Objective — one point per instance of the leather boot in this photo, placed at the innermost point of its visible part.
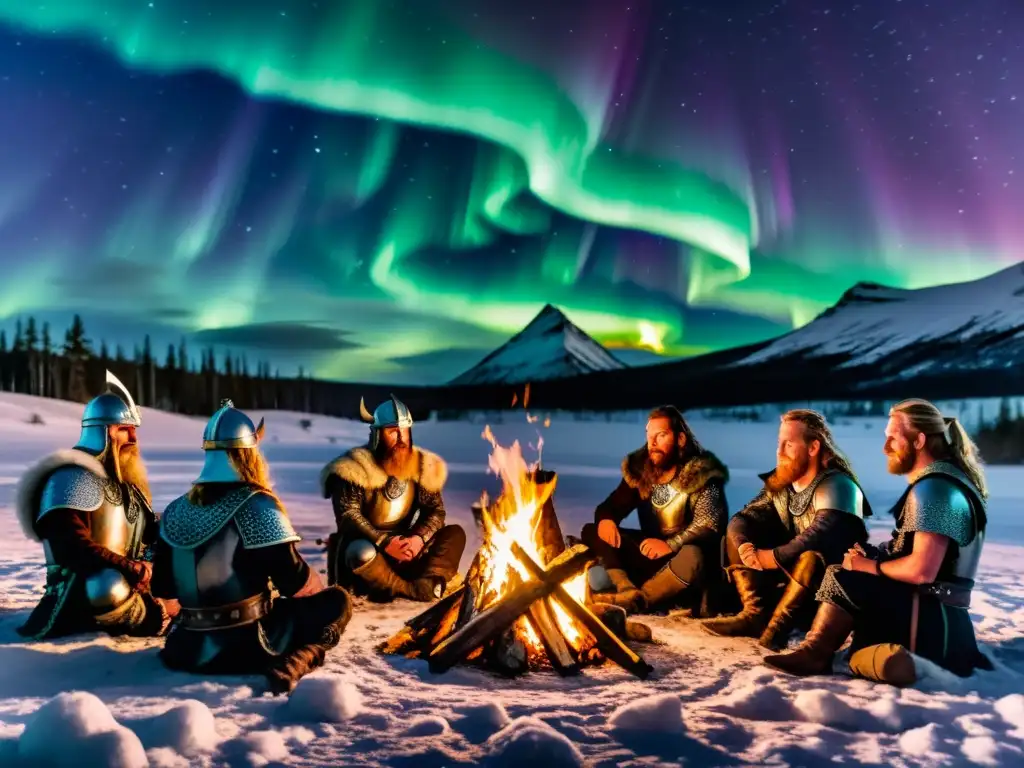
(661, 587)
(806, 577)
(382, 581)
(832, 625)
(626, 595)
(753, 587)
(886, 663)
(331, 610)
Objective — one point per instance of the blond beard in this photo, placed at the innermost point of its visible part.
(133, 470)
(402, 464)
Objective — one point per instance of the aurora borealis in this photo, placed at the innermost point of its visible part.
(385, 190)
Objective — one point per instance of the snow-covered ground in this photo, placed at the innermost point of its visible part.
(94, 701)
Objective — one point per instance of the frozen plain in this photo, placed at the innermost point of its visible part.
(93, 700)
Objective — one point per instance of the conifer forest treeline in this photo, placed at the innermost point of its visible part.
(38, 362)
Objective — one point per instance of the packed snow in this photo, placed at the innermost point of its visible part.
(873, 321)
(550, 347)
(93, 700)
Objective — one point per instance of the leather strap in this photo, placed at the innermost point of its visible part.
(225, 616)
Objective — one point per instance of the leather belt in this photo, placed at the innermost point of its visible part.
(953, 595)
(225, 616)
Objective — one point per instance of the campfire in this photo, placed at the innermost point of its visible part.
(520, 605)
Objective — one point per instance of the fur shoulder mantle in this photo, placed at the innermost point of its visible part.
(26, 505)
(693, 475)
(359, 467)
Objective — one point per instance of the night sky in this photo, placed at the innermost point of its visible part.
(386, 190)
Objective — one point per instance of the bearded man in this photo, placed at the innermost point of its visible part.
(221, 548)
(910, 596)
(392, 540)
(809, 513)
(91, 509)
(678, 490)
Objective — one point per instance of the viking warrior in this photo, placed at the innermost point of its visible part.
(91, 508)
(392, 540)
(225, 549)
(911, 595)
(678, 490)
(809, 513)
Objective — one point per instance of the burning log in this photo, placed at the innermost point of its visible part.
(503, 614)
(542, 619)
(610, 645)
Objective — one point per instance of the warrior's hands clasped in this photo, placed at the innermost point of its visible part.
(654, 548)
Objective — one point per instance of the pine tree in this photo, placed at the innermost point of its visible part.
(104, 354)
(228, 366)
(3, 342)
(171, 363)
(46, 363)
(119, 354)
(182, 355)
(77, 350)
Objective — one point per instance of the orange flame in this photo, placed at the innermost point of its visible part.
(515, 516)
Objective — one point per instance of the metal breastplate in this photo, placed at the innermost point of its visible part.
(118, 524)
(668, 507)
(214, 573)
(388, 507)
(966, 566)
(799, 512)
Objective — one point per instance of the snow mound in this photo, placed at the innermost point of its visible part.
(757, 701)
(88, 735)
(189, 729)
(1011, 710)
(165, 757)
(323, 700)
(653, 713)
(921, 742)
(529, 740)
(984, 750)
(430, 725)
(825, 708)
(256, 749)
(479, 723)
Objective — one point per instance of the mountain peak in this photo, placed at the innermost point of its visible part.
(550, 346)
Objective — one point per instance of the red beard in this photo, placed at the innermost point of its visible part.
(786, 471)
(900, 463)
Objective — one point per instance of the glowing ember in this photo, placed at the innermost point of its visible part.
(515, 517)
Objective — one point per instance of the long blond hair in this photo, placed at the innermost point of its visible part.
(945, 439)
(252, 468)
(817, 428)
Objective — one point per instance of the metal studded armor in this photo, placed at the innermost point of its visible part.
(206, 540)
(942, 500)
(831, 490)
(118, 517)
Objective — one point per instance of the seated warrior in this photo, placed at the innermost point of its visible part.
(91, 508)
(222, 547)
(678, 490)
(392, 540)
(809, 513)
(911, 595)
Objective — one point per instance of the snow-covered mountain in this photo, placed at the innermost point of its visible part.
(549, 347)
(978, 325)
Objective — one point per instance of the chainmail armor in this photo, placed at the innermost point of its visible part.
(830, 591)
(187, 525)
(708, 508)
(72, 487)
(263, 523)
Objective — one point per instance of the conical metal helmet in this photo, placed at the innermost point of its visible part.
(391, 413)
(227, 428)
(112, 408)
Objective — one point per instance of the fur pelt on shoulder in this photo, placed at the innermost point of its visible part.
(697, 472)
(359, 467)
(26, 505)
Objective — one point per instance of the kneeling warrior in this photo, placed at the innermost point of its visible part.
(809, 513)
(678, 490)
(391, 540)
(92, 510)
(222, 546)
(911, 595)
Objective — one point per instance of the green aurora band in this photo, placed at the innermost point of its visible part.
(341, 59)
